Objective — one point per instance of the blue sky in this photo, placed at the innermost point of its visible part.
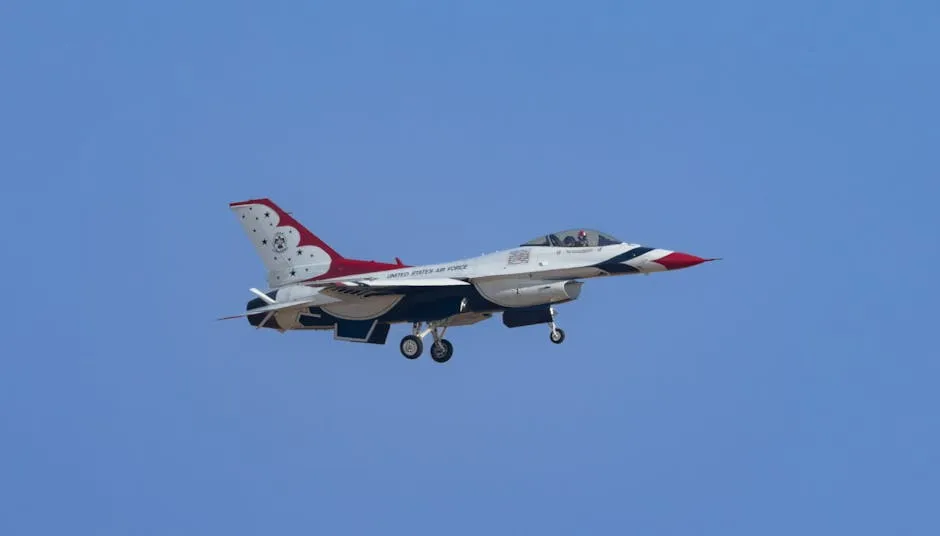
(791, 388)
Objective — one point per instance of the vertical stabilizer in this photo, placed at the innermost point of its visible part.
(290, 252)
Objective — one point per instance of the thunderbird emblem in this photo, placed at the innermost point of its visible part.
(280, 243)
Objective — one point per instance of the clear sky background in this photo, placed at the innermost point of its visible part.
(790, 389)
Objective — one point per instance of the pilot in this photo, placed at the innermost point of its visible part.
(583, 239)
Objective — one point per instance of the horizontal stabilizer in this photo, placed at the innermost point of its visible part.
(276, 307)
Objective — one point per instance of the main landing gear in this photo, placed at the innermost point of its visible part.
(441, 349)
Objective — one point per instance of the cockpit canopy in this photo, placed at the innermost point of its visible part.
(573, 238)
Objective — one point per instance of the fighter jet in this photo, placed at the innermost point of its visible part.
(312, 287)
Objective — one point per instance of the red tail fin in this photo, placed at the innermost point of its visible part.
(264, 210)
(290, 252)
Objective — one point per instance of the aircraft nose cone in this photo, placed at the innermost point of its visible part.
(676, 260)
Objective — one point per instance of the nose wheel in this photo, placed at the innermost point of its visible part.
(557, 335)
(413, 345)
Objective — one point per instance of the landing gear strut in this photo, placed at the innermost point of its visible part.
(557, 335)
(441, 349)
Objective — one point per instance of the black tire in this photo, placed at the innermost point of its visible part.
(442, 351)
(411, 346)
(557, 336)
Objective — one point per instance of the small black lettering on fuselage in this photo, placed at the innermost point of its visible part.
(427, 271)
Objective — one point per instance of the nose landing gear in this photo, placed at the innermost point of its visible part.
(441, 349)
(557, 335)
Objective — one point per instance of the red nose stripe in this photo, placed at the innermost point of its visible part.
(677, 260)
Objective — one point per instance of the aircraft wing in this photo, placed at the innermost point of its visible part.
(382, 287)
(335, 291)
